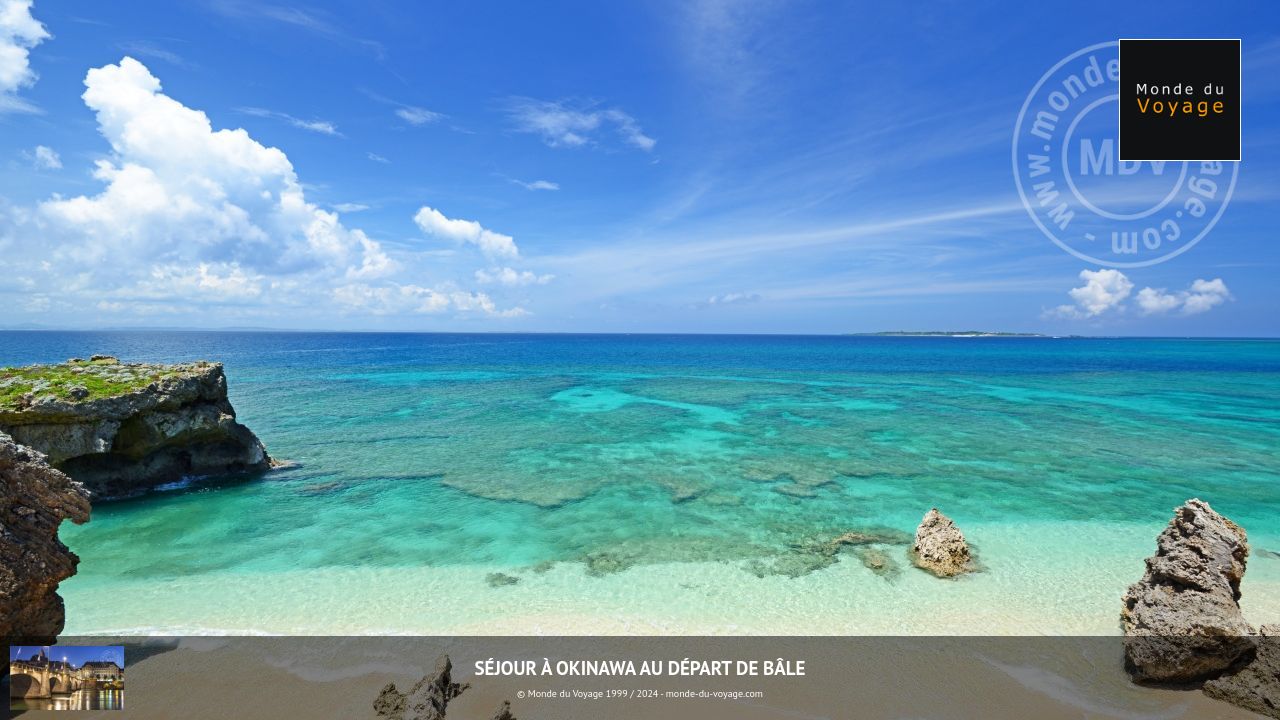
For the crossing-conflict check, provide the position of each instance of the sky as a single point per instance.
(77, 655)
(701, 166)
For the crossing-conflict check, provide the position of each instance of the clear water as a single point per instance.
(681, 484)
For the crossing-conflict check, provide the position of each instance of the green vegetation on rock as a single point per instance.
(76, 381)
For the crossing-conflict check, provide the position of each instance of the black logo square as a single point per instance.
(1179, 99)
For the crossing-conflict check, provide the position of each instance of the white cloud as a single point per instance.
(630, 130)
(209, 223)
(1103, 290)
(511, 277)
(350, 207)
(1107, 290)
(493, 245)
(560, 125)
(43, 158)
(537, 184)
(396, 299)
(176, 189)
(377, 158)
(224, 281)
(1203, 296)
(19, 32)
(324, 127)
(1153, 301)
(733, 298)
(417, 116)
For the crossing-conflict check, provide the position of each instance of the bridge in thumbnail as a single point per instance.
(38, 676)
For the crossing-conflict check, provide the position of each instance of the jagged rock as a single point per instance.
(940, 547)
(427, 700)
(389, 703)
(504, 712)
(1257, 686)
(34, 500)
(1182, 621)
(121, 429)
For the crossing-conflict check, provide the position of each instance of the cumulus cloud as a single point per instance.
(176, 189)
(1202, 296)
(19, 32)
(222, 281)
(324, 127)
(191, 218)
(391, 299)
(561, 125)
(511, 277)
(1107, 290)
(43, 158)
(493, 245)
(417, 116)
(1103, 290)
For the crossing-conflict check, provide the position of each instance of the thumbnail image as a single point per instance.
(66, 677)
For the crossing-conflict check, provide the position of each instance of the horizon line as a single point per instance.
(928, 334)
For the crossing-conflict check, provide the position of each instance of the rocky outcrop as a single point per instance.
(940, 547)
(504, 712)
(34, 500)
(1257, 686)
(427, 700)
(121, 429)
(1182, 621)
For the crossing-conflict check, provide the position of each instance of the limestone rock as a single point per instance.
(427, 700)
(389, 703)
(940, 547)
(1182, 621)
(121, 429)
(504, 712)
(1257, 686)
(34, 500)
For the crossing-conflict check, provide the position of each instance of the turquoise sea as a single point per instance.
(462, 484)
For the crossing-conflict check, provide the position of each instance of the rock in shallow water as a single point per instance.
(1182, 621)
(940, 547)
(34, 500)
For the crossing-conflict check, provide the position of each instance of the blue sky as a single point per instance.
(596, 167)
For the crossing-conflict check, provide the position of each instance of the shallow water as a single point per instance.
(681, 483)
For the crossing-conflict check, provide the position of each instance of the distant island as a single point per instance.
(949, 333)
